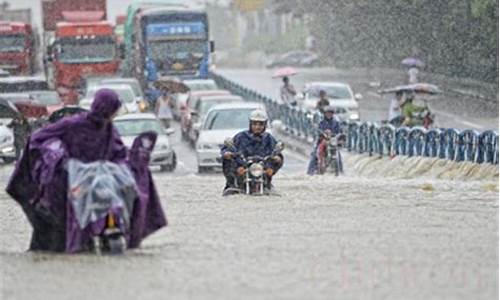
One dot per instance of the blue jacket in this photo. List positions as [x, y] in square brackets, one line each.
[248, 144]
[331, 124]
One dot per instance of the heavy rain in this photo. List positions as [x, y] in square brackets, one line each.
[249, 149]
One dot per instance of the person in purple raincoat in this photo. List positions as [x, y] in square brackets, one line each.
[39, 182]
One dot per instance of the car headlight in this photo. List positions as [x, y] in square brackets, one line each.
[143, 106]
[354, 116]
[256, 169]
[7, 149]
[161, 147]
[5, 139]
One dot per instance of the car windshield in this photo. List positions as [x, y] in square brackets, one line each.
[47, 98]
[332, 92]
[202, 86]
[178, 49]
[12, 42]
[134, 127]
[227, 119]
[136, 88]
[206, 105]
[72, 50]
[124, 93]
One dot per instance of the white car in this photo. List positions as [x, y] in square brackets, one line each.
[140, 99]
[124, 91]
[339, 94]
[131, 125]
[7, 150]
[221, 122]
[202, 106]
[194, 85]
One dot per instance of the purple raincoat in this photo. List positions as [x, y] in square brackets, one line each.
[39, 182]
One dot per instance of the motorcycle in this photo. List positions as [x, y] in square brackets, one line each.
[254, 181]
[328, 154]
[424, 119]
[102, 195]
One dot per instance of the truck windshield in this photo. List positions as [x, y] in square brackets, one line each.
[12, 42]
[93, 50]
[177, 49]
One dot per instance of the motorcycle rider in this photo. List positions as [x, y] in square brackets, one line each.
[254, 141]
[410, 111]
[330, 123]
[322, 102]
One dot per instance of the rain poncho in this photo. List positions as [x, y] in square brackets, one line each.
[39, 182]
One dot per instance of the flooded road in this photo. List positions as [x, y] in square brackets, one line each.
[325, 237]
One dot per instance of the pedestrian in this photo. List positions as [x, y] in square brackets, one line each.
[163, 109]
[21, 130]
[288, 92]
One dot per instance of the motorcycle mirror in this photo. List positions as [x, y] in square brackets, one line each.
[228, 142]
[280, 146]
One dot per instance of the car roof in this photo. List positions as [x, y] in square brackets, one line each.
[210, 92]
[188, 81]
[221, 97]
[118, 86]
[118, 80]
[136, 116]
[238, 105]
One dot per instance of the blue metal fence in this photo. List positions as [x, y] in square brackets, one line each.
[381, 140]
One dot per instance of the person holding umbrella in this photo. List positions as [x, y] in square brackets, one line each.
[288, 92]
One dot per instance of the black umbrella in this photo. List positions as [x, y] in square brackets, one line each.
[8, 110]
[64, 112]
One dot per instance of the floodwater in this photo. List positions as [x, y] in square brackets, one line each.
[348, 237]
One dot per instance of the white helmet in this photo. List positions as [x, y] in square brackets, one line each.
[258, 115]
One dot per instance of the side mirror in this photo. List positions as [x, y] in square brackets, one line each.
[279, 146]
[358, 96]
[170, 131]
[212, 46]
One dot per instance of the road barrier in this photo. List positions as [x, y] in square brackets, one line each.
[375, 139]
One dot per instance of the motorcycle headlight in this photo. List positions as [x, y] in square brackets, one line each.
[256, 169]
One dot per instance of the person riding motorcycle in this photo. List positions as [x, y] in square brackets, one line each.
[331, 124]
[39, 184]
[322, 102]
[251, 142]
[411, 112]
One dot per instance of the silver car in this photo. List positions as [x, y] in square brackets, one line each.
[131, 125]
[222, 121]
[194, 85]
[339, 94]
[125, 93]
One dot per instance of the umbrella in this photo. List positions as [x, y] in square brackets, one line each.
[170, 85]
[31, 109]
[282, 72]
[420, 88]
[8, 110]
[65, 111]
[412, 62]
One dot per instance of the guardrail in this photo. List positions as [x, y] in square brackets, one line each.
[375, 139]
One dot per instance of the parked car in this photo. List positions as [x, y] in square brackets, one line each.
[201, 108]
[194, 85]
[125, 93]
[186, 122]
[339, 94]
[296, 59]
[221, 122]
[131, 125]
